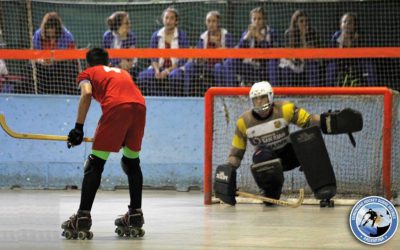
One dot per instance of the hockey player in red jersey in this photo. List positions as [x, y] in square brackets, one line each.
[121, 125]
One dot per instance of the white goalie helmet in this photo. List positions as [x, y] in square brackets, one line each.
[258, 89]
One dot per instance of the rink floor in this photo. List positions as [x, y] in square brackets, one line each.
[30, 219]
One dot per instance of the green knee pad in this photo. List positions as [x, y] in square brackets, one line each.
[130, 153]
[101, 154]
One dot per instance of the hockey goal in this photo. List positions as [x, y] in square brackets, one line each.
[371, 168]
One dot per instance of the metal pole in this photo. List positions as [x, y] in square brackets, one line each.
[30, 27]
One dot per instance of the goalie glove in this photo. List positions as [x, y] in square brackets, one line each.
[342, 121]
[225, 184]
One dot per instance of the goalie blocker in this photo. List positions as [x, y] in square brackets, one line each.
[225, 184]
[313, 157]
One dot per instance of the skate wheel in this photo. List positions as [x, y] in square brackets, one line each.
[81, 235]
[134, 232]
[89, 235]
[67, 234]
[120, 231]
[141, 232]
[327, 203]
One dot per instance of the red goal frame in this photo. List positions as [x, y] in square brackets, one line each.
[232, 91]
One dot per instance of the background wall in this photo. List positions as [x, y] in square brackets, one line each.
[171, 157]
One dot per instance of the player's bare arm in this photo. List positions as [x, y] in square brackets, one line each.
[84, 101]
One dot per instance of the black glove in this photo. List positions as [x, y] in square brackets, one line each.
[75, 136]
[341, 121]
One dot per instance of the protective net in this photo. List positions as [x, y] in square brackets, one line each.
[263, 25]
[359, 171]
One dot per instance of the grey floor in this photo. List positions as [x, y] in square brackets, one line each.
[30, 219]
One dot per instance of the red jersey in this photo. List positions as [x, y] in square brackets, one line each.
[111, 86]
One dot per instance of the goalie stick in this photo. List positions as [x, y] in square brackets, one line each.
[11, 133]
[274, 201]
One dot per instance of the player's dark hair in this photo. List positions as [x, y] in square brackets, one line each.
[97, 56]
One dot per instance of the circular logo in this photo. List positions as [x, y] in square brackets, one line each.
[373, 220]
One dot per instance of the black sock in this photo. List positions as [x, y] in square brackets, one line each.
[91, 181]
[135, 180]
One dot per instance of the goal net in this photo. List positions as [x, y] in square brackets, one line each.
[370, 168]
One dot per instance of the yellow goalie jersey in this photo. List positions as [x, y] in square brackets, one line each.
[272, 131]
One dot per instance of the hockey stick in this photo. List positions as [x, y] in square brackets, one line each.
[274, 201]
[11, 133]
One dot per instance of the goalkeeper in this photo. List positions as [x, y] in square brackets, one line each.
[266, 127]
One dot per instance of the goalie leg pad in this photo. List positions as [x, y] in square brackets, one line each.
[326, 192]
[341, 121]
[269, 177]
[312, 154]
[225, 184]
[263, 154]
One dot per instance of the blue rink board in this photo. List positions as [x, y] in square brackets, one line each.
[171, 156]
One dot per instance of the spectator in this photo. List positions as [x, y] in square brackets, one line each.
[202, 72]
[10, 83]
[119, 36]
[17, 76]
[258, 35]
[165, 73]
[349, 72]
[300, 35]
[4, 86]
[3, 67]
[55, 77]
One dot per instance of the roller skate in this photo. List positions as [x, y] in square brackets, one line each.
[325, 194]
[78, 226]
[130, 224]
[274, 194]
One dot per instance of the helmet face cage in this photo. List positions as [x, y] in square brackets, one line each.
[261, 89]
[262, 109]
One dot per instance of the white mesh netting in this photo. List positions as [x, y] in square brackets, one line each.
[374, 25]
[358, 170]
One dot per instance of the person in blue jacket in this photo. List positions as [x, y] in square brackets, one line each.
[165, 75]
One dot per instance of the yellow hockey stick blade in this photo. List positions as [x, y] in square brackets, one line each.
[274, 201]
